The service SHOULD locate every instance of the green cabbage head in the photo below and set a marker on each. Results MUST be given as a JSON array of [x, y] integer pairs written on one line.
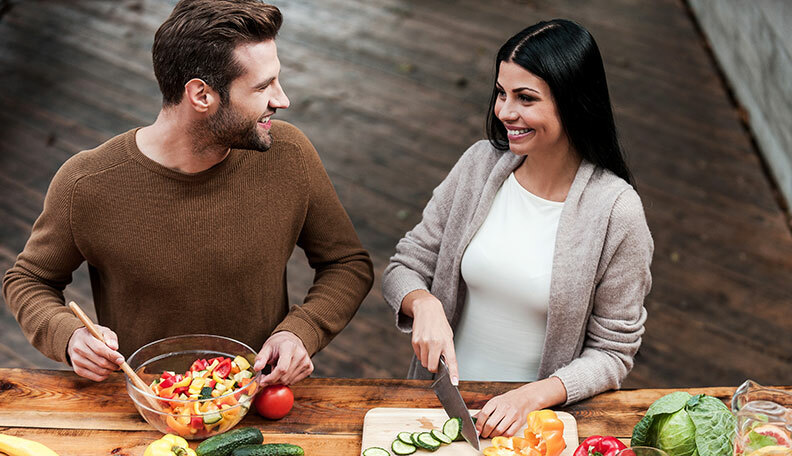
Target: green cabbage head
[[685, 425]]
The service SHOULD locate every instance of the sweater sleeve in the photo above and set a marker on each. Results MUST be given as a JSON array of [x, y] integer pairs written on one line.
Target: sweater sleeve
[[616, 323], [33, 287], [412, 267], [344, 272]]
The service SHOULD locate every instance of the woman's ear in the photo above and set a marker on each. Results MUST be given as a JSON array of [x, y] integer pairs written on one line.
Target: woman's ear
[[200, 96]]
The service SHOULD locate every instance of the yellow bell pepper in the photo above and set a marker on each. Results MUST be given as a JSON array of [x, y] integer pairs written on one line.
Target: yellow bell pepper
[[169, 445], [544, 436], [184, 382], [241, 362]]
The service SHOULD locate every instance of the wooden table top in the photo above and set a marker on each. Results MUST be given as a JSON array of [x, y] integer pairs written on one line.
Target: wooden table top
[[78, 417]]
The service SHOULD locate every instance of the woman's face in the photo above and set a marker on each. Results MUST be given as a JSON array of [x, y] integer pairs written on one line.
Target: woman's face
[[526, 107]]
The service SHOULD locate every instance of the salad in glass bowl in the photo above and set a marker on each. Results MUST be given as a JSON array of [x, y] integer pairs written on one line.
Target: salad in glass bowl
[[202, 385]]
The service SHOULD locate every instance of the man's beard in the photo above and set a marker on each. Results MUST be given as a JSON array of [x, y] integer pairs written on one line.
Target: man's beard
[[229, 129]]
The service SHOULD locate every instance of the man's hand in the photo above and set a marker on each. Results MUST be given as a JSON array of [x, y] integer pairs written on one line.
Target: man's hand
[[288, 356], [90, 357]]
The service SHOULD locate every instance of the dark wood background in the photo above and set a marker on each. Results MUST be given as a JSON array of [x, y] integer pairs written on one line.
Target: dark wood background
[[392, 92]]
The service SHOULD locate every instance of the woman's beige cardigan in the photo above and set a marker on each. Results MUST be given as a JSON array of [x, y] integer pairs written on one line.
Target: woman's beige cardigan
[[600, 271]]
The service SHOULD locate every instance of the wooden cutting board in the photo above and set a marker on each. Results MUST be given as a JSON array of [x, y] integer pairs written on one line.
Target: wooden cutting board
[[381, 425]]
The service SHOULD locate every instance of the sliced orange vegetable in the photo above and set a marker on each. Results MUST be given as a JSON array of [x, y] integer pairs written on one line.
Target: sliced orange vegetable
[[502, 442], [519, 443], [179, 428], [545, 432], [495, 451]]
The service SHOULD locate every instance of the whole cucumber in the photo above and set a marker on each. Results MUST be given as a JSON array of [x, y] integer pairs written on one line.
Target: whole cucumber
[[269, 449], [224, 444]]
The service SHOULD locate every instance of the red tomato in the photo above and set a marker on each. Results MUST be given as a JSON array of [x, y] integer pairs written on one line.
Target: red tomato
[[274, 401]]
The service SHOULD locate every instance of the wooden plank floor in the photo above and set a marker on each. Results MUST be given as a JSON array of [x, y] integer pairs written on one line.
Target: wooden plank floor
[[392, 92]]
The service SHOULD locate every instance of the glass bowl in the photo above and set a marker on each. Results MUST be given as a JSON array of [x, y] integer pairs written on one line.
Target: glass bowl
[[188, 418]]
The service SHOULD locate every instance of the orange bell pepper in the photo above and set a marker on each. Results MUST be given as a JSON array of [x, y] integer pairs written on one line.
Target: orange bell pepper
[[544, 436], [545, 432]]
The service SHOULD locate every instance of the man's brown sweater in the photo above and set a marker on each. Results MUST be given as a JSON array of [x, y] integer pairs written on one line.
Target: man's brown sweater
[[172, 253]]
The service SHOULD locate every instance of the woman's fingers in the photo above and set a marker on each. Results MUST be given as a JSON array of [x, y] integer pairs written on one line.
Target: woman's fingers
[[516, 425], [506, 423], [492, 422], [483, 416]]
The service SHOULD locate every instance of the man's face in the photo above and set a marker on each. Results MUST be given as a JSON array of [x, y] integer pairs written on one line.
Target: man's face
[[244, 122]]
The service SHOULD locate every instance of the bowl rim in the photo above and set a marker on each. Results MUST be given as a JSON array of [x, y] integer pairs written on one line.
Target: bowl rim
[[129, 383]]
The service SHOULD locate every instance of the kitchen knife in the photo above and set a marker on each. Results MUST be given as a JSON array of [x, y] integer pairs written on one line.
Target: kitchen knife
[[453, 404]]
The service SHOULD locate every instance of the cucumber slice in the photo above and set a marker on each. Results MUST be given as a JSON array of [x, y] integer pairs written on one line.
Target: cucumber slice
[[244, 400], [442, 438], [453, 428], [426, 441], [212, 418], [401, 448], [206, 392], [375, 451], [405, 438], [414, 438]]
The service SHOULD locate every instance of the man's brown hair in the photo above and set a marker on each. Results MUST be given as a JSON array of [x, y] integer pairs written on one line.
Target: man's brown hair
[[198, 41]]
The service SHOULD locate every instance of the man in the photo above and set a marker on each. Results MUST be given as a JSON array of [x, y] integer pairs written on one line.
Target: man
[[187, 224]]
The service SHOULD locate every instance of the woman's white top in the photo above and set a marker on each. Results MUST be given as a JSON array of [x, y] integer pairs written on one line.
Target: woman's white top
[[507, 268]]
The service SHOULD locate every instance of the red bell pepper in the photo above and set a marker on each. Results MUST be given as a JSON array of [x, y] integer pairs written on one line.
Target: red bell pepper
[[196, 422], [598, 445], [223, 368], [166, 383], [199, 365], [180, 390]]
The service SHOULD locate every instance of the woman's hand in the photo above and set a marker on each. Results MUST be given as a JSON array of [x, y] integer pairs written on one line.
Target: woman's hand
[[506, 414], [431, 334]]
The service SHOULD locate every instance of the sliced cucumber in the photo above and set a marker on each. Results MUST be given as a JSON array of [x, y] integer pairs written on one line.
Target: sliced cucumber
[[442, 438], [414, 438], [375, 451], [405, 438], [244, 401], [453, 428], [212, 418], [401, 448], [427, 442], [206, 392]]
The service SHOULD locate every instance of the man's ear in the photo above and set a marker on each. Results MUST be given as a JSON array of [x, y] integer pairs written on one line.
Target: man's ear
[[199, 95]]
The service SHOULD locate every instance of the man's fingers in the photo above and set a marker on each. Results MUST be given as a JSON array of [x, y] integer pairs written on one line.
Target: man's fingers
[[298, 375], [85, 368], [263, 357], [101, 355], [110, 337], [281, 369]]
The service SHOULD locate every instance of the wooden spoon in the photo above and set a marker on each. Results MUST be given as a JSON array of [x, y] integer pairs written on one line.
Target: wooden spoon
[[137, 381]]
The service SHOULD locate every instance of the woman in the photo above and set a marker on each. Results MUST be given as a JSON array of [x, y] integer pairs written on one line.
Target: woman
[[531, 263]]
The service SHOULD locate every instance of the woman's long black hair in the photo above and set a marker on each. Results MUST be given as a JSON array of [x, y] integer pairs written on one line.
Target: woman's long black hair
[[566, 57]]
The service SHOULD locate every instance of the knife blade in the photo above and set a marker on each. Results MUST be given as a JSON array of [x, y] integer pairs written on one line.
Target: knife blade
[[453, 403]]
